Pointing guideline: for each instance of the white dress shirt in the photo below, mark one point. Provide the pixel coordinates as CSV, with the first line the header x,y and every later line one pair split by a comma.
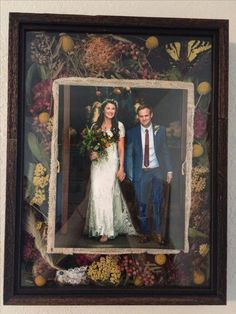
x,y
153,162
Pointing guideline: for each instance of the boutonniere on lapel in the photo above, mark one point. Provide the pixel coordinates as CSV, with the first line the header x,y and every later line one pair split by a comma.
x,y
156,129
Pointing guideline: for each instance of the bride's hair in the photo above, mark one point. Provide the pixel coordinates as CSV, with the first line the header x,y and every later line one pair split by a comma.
x,y
114,121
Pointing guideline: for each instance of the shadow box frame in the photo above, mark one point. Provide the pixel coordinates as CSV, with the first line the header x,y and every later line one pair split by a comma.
x,y
215,292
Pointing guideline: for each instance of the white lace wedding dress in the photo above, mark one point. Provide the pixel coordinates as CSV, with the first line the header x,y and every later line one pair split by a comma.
x,y
107,213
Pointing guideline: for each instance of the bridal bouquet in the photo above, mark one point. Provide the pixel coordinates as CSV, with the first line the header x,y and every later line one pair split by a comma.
x,y
96,140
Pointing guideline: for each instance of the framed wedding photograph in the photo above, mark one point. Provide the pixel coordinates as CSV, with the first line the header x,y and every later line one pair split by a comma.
x,y
67,227
116,166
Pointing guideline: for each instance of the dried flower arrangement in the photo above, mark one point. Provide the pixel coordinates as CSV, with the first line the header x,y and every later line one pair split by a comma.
x,y
53,56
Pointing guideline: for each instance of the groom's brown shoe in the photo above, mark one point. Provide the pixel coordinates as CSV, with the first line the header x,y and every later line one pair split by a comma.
x,y
157,238
143,238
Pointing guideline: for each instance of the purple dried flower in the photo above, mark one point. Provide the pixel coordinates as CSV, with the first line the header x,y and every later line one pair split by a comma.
x,y
199,125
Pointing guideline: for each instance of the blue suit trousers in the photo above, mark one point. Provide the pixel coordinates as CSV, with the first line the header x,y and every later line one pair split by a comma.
x,y
149,189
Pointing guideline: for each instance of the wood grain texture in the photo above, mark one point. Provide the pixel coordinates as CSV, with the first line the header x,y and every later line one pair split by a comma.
x,y
11,177
180,299
13,75
221,179
10,221
216,294
118,21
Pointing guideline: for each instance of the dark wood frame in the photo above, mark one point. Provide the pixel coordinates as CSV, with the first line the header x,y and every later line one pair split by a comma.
x,y
216,294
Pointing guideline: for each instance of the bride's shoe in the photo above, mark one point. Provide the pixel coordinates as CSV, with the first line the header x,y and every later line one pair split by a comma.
x,y
103,239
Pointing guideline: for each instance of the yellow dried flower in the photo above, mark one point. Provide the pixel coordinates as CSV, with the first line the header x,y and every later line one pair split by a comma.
x,y
38,225
105,270
198,277
50,125
36,181
152,42
40,181
39,197
204,88
203,249
198,185
160,259
39,170
198,150
67,43
43,117
40,281
199,178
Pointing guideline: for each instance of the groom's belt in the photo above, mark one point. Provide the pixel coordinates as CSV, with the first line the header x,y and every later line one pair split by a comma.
x,y
149,169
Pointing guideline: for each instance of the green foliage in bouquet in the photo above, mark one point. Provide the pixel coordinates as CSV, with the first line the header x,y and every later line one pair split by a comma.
x,y
96,140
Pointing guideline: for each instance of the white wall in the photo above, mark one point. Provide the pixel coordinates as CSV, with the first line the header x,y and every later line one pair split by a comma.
x,y
191,9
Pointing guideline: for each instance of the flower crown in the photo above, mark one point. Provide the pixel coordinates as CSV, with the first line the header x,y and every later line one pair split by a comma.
x,y
110,100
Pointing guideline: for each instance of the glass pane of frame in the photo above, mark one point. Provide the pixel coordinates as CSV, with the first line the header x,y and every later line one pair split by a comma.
x,y
151,227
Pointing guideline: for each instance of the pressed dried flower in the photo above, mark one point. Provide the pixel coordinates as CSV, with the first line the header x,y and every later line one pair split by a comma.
x,y
203,249
67,43
204,88
40,49
200,125
199,178
152,42
50,125
198,277
99,54
105,269
40,181
197,200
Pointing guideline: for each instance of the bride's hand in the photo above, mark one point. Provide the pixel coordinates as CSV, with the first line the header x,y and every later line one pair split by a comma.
x,y
120,174
93,156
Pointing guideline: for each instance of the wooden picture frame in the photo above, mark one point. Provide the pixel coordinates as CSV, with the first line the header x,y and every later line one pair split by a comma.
x,y
164,49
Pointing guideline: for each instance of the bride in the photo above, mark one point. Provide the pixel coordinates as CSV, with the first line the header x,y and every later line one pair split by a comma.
x,y
108,214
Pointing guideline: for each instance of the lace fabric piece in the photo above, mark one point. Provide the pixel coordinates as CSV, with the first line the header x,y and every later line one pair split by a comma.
x,y
107,213
72,276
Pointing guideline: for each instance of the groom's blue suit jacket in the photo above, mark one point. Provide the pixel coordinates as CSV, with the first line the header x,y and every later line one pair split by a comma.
x,y
134,154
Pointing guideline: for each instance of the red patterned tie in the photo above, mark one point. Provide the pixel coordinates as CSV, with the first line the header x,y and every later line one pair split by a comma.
x,y
146,149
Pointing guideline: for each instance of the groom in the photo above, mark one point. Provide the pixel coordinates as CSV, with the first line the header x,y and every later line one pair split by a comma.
x,y
147,166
